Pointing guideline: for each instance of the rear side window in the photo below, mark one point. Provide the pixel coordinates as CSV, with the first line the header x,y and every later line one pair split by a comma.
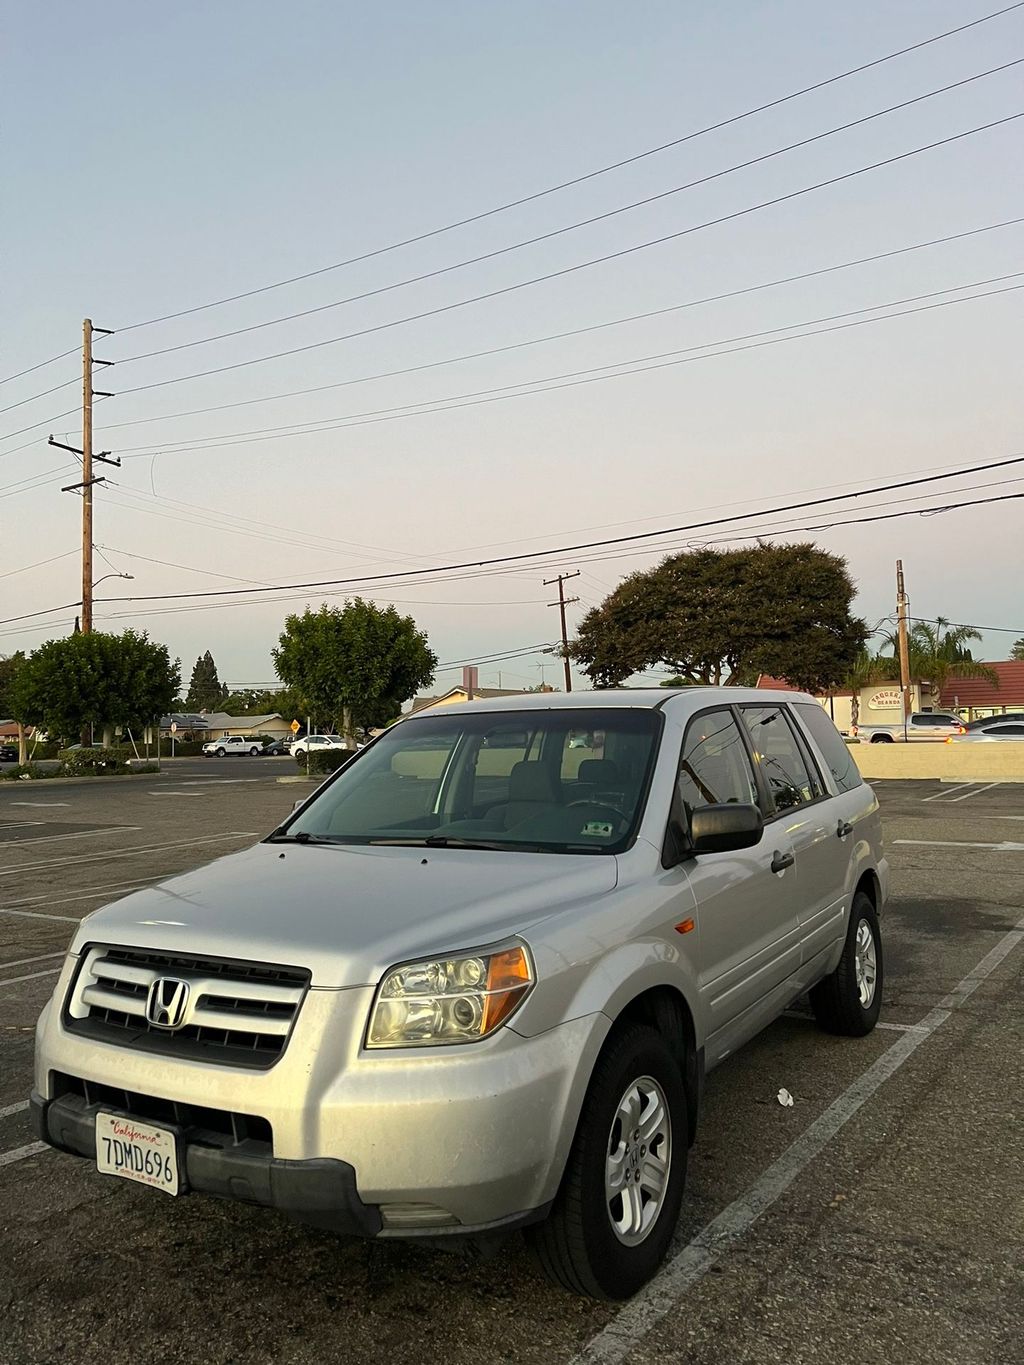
x,y
789,777
830,744
714,768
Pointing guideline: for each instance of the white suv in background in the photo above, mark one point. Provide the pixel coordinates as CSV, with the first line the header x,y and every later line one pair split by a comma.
x,y
232,744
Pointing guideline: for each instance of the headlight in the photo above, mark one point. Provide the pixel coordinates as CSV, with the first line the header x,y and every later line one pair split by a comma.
x,y
449,1000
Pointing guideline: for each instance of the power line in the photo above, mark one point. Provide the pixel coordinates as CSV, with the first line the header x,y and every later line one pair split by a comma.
x,y
54,358
9,573
498,252
567,379
45,393
595,544
580,179
1002,630
576,331
583,265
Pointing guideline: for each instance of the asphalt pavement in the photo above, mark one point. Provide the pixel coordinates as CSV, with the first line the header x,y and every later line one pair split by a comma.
x,y
880,1217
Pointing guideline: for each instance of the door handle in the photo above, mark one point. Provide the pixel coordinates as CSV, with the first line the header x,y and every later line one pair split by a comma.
x,y
780,861
844,828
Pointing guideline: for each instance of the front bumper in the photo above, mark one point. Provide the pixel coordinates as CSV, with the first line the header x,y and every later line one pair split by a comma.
x,y
321,1192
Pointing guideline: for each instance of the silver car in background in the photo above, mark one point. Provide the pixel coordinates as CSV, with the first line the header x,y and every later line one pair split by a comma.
x,y
475,982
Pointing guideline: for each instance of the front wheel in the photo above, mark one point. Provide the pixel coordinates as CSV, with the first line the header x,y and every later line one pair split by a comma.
x,y
222,753
618,1204
849,1000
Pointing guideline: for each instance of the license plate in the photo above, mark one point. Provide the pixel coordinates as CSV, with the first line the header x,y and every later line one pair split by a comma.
x,y
137,1151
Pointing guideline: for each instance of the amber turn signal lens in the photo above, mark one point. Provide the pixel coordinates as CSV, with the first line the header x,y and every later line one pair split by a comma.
x,y
508,977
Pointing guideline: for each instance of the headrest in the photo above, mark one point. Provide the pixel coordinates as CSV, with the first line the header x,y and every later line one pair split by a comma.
x,y
531,782
599,772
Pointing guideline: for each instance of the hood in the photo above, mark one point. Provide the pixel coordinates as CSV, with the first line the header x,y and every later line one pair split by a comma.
x,y
348,913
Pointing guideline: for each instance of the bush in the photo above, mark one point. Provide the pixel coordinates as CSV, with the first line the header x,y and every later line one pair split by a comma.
x,y
327,761
96,762
23,770
183,748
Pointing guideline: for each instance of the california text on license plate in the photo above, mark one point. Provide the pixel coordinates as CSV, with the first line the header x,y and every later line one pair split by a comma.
x,y
137,1151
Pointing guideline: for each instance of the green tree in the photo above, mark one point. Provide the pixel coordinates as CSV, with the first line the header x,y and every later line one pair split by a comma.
x,y
353,666
206,692
939,652
725,616
9,668
97,679
1017,650
866,670
255,701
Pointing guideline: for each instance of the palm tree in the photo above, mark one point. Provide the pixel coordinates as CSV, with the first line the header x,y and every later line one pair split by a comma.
x,y
866,670
939,652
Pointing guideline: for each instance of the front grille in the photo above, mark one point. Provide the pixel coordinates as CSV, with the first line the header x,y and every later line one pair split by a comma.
x,y
217,1126
237,1013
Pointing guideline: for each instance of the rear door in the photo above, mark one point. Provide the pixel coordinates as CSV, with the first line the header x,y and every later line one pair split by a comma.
x,y
749,930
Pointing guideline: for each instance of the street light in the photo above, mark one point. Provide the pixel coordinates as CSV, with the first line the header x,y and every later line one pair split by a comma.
x,y
112,575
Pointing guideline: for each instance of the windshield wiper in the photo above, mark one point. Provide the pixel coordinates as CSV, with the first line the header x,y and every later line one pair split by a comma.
x,y
303,837
457,841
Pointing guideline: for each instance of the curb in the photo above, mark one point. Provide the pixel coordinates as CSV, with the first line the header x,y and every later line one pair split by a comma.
x,y
315,777
15,783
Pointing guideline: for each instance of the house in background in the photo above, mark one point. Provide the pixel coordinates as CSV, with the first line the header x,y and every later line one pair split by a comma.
x,y
219,725
470,690
880,704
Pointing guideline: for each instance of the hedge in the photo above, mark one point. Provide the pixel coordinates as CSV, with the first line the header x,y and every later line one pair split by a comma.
x,y
326,761
96,762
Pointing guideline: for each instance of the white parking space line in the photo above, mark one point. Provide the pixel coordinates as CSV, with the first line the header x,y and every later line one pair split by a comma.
x,y
20,824
96,892
20,1153
198,794
26,961
901,1028
130,852
977,792
1007,846
32,976
946,791
10,1109
632,1323
39,914
82,834
41,805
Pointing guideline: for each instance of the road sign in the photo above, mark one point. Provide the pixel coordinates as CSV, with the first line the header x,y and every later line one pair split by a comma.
x,y
174,727
295,727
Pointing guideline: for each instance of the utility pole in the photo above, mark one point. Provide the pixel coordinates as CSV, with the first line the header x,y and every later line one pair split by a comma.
x,y
561,604
88,480
901,626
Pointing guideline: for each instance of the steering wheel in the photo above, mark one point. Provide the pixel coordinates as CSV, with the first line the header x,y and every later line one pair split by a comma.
x,y
602,806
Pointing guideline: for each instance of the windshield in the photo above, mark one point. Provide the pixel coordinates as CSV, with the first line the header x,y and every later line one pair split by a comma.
x,y
553,781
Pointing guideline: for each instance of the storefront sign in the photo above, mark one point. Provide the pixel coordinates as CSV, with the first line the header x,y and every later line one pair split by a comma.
x,y
888,699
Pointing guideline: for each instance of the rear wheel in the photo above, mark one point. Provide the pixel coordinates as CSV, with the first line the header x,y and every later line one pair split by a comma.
x,y
882,739
849,1000
253,752
618,1204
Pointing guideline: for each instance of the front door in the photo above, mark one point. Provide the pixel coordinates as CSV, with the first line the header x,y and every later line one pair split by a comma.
x,y
747,920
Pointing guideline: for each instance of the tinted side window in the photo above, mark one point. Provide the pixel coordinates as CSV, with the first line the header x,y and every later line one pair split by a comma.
x,y
836,754
789,780
1013,731
714,767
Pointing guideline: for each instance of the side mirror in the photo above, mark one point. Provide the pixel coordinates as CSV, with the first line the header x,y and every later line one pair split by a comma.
x,y
722,829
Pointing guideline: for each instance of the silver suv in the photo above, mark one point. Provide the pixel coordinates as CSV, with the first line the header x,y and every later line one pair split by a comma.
x,y
475,981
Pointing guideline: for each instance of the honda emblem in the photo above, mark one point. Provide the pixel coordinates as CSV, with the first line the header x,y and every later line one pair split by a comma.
x,y
166,1002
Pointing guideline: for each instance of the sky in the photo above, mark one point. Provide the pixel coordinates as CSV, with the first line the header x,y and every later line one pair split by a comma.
x,y
159,159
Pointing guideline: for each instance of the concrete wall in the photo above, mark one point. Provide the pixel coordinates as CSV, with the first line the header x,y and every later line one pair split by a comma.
x,y
956,762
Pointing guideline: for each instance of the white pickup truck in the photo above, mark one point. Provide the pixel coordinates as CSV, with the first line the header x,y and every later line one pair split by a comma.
x,y
232,744
922,725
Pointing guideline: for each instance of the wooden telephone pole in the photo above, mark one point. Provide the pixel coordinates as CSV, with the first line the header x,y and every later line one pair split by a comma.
x,y
561,604
86,453
901,628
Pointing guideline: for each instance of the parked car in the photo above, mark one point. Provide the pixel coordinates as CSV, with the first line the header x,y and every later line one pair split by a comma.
x,y
313,743
467,986
8,753
276,748
1016,716
995,729
922,725
232,744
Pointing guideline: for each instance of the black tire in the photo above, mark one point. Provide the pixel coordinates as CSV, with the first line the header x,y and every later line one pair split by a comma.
x,y
577,1245
222,753
836,1000
882,739
253,753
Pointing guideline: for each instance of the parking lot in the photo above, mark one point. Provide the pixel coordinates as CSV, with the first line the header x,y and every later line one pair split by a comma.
x,y
880,1217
